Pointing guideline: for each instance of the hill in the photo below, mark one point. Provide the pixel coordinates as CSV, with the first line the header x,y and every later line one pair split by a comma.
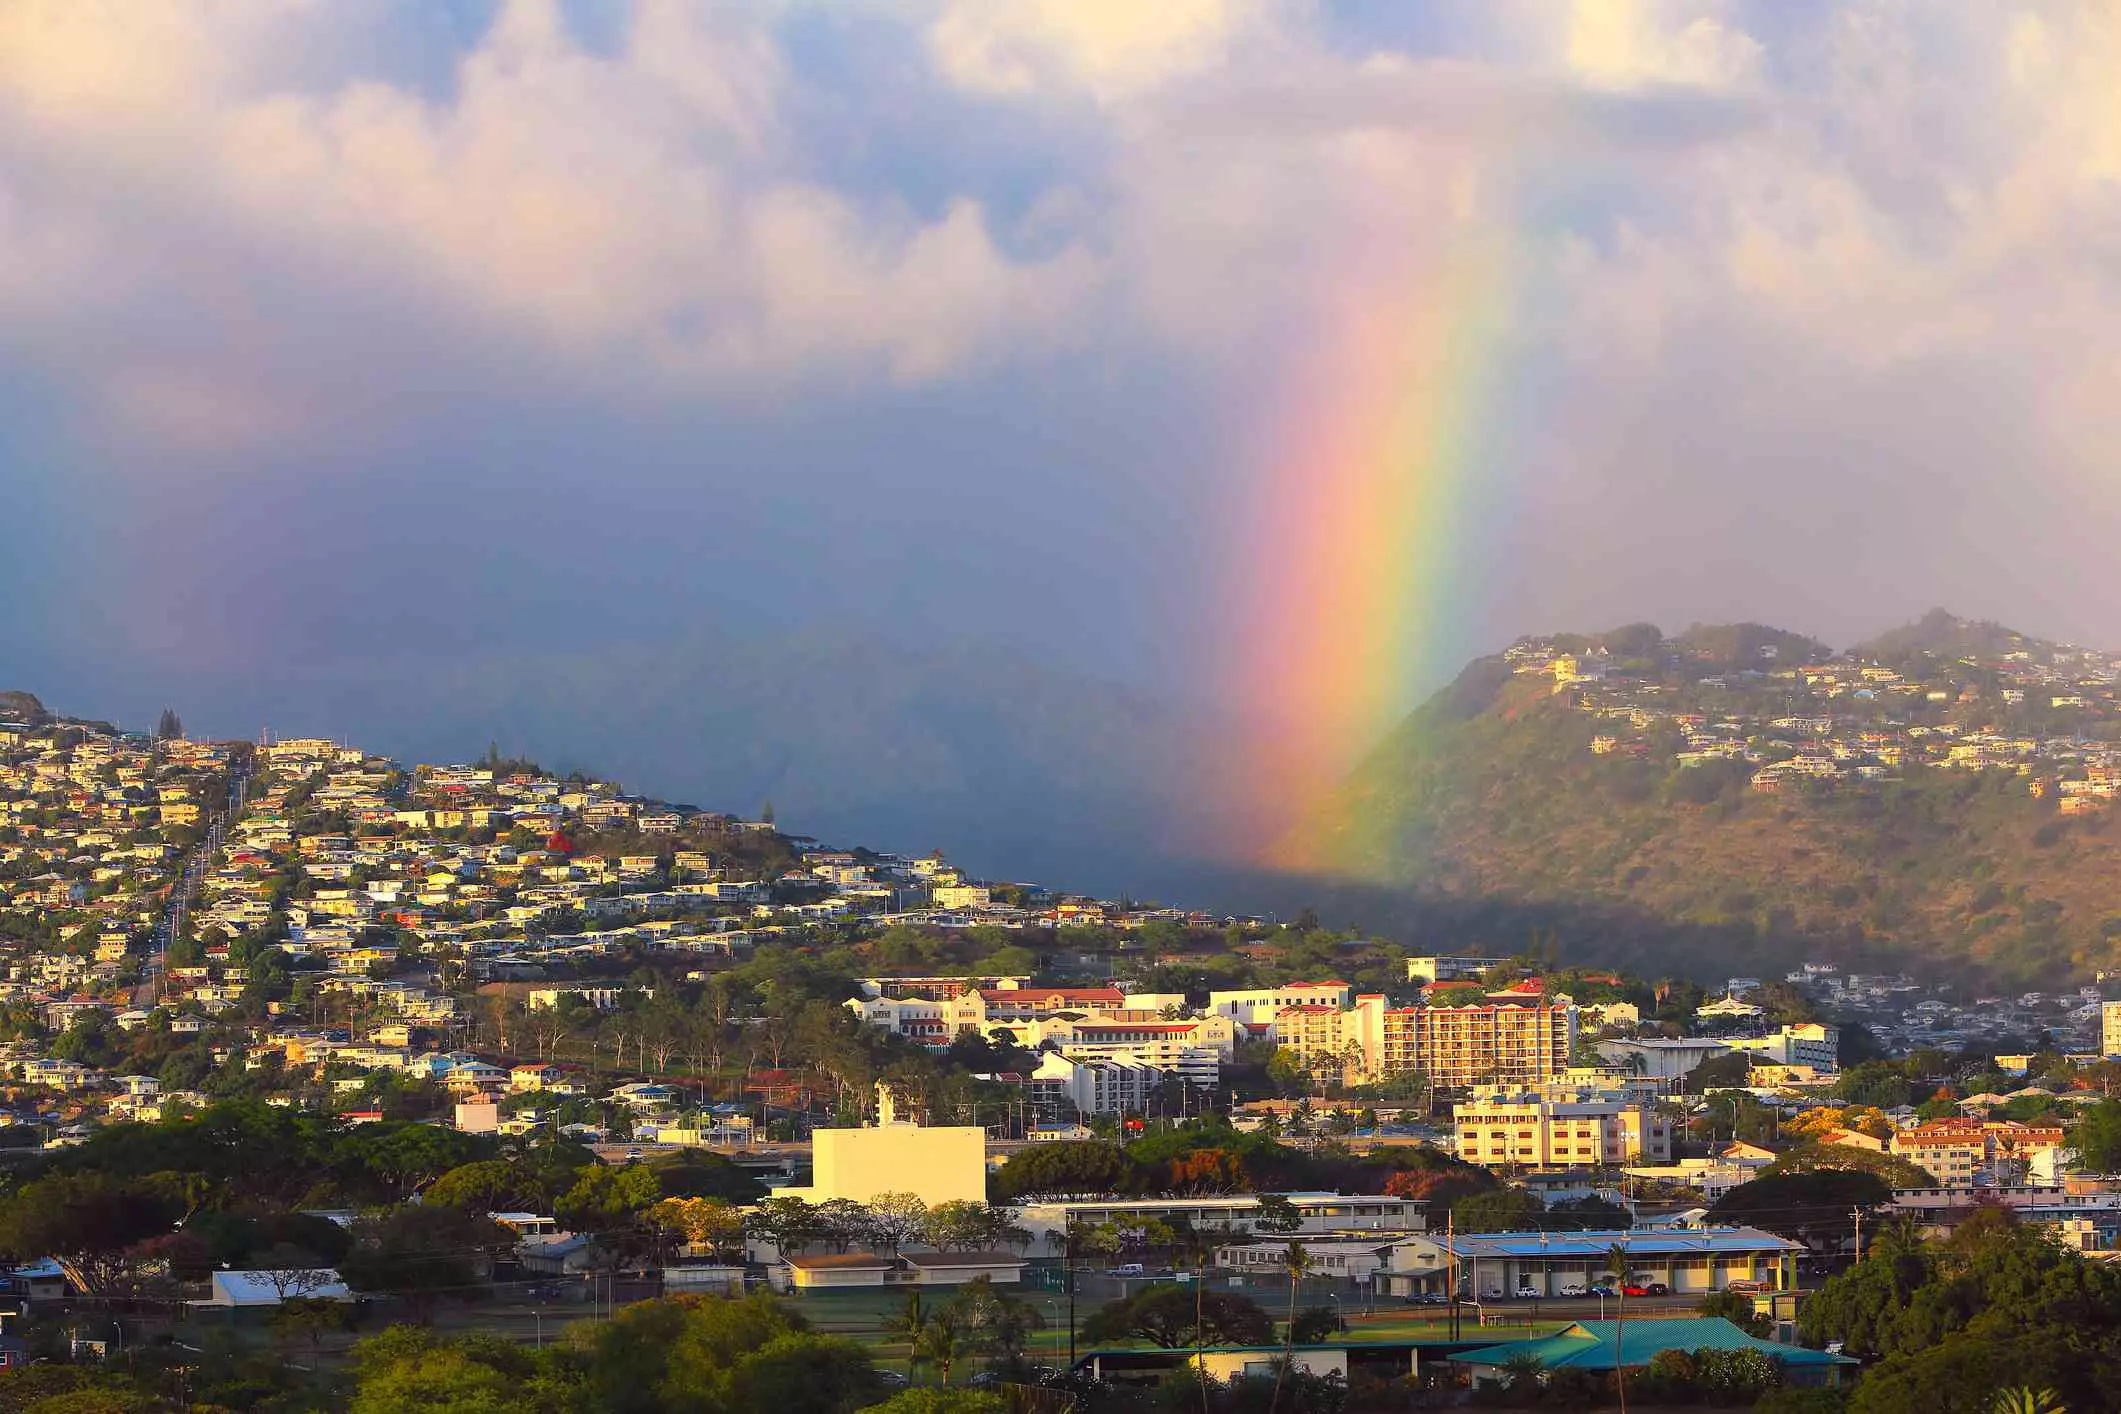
x,y
1951,814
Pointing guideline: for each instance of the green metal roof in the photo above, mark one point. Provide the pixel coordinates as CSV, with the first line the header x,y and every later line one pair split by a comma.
x,y
1589,1345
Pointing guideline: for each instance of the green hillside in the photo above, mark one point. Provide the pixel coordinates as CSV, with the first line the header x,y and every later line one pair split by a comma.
x,y
1488,816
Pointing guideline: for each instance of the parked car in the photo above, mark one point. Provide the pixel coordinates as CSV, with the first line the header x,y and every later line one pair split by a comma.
x,y
1748,1285
1632,1289
1602,1288
1575,1288
1527,1292
1656,1288
1428,1298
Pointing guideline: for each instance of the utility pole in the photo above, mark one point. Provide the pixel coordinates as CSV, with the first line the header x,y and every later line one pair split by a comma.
x,y
1450,1265
1857,1214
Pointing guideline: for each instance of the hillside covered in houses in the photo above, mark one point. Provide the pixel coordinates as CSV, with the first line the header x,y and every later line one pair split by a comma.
x,y
1942,795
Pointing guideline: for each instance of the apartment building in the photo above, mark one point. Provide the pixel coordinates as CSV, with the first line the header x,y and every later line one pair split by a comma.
x,y
1972,1153
1085,1084
1560,1128
1520,1043
2110,1029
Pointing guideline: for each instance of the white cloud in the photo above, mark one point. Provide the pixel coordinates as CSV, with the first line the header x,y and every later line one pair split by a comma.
x,y
1112,48
1628,43
644,208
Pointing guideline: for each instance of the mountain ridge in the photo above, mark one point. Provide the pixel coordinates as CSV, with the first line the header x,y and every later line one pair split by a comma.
x,y
1742,788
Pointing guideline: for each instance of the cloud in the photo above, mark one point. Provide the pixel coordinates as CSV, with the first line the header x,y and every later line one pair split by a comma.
x,y
1629,43
1112,48
646,206
231,225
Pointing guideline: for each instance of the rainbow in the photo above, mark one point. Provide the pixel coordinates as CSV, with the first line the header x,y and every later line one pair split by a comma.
x,y
1365,518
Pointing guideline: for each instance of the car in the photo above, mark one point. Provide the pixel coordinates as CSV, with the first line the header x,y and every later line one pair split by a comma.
x,y
1575,1288
1656,1288
1633,1289
1603,1288
1748,1286
1527,1293
1428,1298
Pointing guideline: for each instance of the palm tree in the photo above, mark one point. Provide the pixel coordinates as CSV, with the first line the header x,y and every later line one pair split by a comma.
x,y
2023,1400
940,1342
909,1322
1299,1264
1616,1265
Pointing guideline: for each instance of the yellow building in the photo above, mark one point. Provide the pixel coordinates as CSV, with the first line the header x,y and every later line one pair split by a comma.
x,y
1574,1129
941,1164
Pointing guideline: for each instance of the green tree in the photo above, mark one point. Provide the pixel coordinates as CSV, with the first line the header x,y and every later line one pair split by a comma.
x,y
940,1401
1168,1315
1737,1308
421,1253
1049,1172
1499,1210
2098,1137
1817,1207
90,1221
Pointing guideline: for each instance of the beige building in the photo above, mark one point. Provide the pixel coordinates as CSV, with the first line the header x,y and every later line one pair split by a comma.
x,y
2110,1029
1560,1129
940,1164
1495,1043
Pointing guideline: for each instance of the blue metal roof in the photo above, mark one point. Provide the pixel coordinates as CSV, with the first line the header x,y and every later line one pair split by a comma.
x,y
1640,1242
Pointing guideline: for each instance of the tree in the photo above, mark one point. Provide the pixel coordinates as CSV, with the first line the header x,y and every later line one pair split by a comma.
x,y
606,1199
1816,1207
1298,1263
940,1401
720,1355
91,1222
1737,1308
1168,1315
1275,1213
169,726
1048,1172
2098,1137
702,1222
1499,1210
421,1253
790,1224
1314,1324
962,1225
896,1219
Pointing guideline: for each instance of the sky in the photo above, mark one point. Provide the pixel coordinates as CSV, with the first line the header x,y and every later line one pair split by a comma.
x,y
1258,362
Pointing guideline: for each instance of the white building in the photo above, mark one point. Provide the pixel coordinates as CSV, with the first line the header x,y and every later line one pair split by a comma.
x,y
1258,1006
1813,1043
1092,1085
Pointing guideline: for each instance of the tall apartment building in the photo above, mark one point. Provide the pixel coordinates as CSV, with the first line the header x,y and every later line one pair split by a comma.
x,y
2110,1029
1560,1128
1497,1043
1066,1085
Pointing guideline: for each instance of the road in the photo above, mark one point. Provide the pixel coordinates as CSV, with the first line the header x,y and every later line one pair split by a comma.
x,y
149,992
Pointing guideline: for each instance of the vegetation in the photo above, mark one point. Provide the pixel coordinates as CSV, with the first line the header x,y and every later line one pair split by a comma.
x,y
1486,819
